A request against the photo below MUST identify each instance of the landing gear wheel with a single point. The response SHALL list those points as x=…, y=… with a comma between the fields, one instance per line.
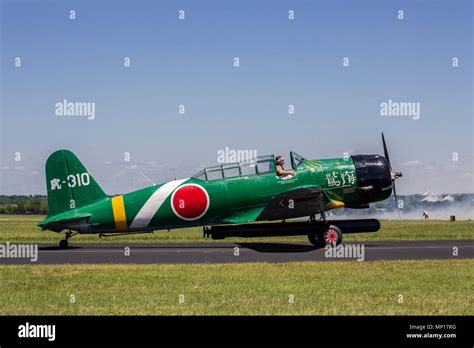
x=332, y=235
x=63, y=244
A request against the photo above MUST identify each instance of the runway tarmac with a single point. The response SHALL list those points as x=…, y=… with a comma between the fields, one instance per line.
x=175, y=253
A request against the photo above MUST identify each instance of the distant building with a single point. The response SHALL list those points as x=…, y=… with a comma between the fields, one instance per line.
x=448, y=198
x=431, y=197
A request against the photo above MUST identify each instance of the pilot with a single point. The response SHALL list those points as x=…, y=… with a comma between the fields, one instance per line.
x=280, y=161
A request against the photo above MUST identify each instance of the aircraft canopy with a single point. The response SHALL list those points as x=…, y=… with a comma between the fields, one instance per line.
x=260, y=165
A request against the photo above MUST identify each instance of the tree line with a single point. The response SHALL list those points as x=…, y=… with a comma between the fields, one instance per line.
x=33, y=204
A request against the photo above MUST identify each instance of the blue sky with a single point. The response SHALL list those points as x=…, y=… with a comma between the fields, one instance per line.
x=190, y=62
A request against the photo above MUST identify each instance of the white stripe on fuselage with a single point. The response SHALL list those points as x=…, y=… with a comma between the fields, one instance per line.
x=154, y=203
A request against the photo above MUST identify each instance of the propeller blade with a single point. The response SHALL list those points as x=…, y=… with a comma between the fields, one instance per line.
x=394, y=175
x=385, y=152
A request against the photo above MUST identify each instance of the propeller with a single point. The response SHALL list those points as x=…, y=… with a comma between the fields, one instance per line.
x=395, y=175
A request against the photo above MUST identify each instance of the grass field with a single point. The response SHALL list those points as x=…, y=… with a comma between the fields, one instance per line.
x=23, y=229
x=428, y=288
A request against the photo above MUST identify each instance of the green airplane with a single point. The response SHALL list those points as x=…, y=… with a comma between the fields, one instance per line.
x=227, y=200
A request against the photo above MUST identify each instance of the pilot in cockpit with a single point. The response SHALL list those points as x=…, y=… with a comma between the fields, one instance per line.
x=280, y=170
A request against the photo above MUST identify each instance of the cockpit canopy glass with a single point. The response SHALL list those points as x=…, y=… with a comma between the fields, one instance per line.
x=261, y=165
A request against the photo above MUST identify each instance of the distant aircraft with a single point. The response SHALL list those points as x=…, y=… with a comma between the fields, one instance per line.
x=224, y=199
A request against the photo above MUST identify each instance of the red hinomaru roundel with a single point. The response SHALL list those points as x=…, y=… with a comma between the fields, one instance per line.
x=190, y=202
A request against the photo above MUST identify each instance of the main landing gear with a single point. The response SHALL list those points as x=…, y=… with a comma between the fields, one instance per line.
x=64, y=244
x=330, y=235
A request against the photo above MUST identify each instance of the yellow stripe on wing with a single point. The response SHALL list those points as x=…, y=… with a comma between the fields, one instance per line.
x=119, y=213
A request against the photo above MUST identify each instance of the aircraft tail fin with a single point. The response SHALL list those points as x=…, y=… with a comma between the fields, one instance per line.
x=69, y=184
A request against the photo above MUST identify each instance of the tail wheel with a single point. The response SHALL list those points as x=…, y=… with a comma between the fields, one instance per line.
x=332, y=235
x=64, y=244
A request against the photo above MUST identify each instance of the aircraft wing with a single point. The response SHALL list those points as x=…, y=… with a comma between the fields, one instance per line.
x=303, y=201
x=243, y=215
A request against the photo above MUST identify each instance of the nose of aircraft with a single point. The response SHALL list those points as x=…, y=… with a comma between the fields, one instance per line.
x=374, y=177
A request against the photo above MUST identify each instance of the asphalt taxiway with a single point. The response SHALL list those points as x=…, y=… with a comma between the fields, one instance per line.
x=218, y=252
